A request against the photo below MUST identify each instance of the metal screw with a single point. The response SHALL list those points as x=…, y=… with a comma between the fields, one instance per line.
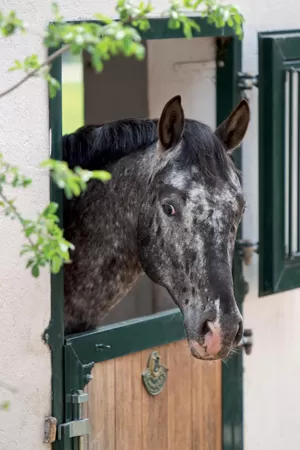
x=100, y=347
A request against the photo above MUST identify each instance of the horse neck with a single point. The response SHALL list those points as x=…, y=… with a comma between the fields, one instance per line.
x=102, y=224
x=120, y=202
x=129, y=185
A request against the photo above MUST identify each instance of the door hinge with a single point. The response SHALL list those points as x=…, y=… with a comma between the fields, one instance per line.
x=246, y=82
x=79, y=426
x=50, y=427
x=76, y=428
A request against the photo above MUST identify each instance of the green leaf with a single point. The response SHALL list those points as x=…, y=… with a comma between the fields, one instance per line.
x=29, y=231
x=50, y=209
x=35, y=271
x=68, y=192
x=30, y=262
x=56, y=264
x=53, y=85
x=17, y=65
x=187, y=30
x=75, y=188
x=55, y=11
x=96, y=62
x=173, y=24
x=102, y=18
x=101, y=175
x=32, y=62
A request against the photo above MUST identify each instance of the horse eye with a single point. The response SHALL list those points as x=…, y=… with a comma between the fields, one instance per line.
x=232, y=229
x=169, y=209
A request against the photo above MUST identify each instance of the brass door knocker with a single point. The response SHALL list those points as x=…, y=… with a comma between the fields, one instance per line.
x=155, y=376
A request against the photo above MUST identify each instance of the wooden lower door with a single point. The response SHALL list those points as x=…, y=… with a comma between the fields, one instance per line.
x=186, y=415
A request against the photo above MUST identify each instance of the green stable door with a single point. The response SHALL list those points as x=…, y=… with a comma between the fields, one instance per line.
x=104, y=381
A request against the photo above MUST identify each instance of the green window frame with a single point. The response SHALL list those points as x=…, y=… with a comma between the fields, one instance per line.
x=279, y=265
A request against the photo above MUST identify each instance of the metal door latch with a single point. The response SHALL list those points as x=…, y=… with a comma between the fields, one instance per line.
x=247, y=341
x=246, y=249
x=79, y=426
x=246, y=82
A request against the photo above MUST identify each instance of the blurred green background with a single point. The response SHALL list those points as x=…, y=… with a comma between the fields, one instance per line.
x=72, y=93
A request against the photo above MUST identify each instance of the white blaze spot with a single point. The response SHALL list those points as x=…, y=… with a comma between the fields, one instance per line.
x=218, y=316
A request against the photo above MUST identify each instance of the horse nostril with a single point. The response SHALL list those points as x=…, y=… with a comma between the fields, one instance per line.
x=204, y=328
x=239, y=333
x=206, y=323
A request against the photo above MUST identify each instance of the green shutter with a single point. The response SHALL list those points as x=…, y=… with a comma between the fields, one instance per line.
x=279, y=162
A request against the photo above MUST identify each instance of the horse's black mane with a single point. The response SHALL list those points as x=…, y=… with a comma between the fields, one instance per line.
x=94, y=147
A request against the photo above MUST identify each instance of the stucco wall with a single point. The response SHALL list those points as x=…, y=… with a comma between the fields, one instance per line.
x=24, y=302
x=272, y=372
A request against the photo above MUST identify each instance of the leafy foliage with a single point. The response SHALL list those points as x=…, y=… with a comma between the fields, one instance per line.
x=73, y=181
x=45, y=244
x=10, y=23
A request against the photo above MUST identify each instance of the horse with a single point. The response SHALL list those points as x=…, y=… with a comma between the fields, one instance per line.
x=171, y=210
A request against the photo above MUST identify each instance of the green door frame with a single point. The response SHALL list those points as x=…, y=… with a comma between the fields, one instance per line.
x=81, y=351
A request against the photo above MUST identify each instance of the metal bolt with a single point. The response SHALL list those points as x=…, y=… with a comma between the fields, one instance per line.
x=100, y=347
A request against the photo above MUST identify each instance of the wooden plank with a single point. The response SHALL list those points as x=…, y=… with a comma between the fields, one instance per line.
x=198, y=435
x=211, y=406
x=185, y=415
x=218, y=405
x=101, y=407
x=179, y=397
x=128, y=391
x=155, y=409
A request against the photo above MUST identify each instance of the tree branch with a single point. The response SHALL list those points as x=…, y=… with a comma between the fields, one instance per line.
x=17, y=215
x=47, y=61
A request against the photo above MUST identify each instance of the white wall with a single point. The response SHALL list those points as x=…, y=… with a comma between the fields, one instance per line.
x=272, y=372
x=185, y=67
x=24, y=302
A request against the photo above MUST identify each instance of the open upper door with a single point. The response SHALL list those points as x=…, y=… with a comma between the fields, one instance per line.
x=279, y=161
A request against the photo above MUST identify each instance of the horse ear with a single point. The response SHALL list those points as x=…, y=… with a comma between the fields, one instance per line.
x=171, y=123
x=232, y=131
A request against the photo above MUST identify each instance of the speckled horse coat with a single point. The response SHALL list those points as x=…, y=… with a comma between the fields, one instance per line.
x=171, y=210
